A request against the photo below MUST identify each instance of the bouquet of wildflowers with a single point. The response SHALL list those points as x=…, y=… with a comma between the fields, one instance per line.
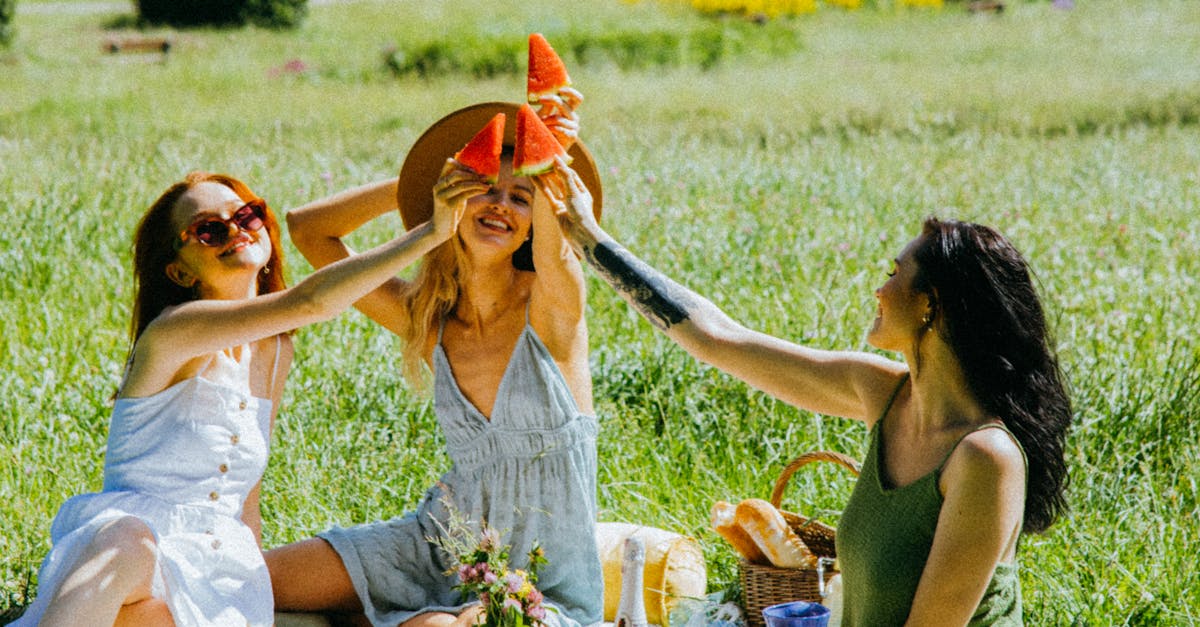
x=509, y=596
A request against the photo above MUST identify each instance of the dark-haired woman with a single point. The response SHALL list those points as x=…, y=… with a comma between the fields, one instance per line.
x=966, y=434
x=173, y=537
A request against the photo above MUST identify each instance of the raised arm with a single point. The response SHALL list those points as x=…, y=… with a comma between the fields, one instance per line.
x=558, y=296
x=850, y=384
x=208, y=325
x=318, y=228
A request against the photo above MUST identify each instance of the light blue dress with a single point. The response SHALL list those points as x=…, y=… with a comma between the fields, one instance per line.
x=183, y=461
x=530, y=472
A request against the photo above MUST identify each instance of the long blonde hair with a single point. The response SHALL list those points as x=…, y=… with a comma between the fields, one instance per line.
x=430, y=296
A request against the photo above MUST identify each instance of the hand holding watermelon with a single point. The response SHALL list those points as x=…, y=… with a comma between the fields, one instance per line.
x=557, y=112
x=457, y=184
x=549, y=87
x=568, y=195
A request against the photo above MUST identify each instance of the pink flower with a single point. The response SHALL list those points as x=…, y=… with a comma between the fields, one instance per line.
x=535, y=598
x=490, y=578
x=512, y=604
x=537, y=612
x=490, y=540
x=514, y=581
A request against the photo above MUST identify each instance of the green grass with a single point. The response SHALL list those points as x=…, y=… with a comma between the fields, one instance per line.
x=777, y=183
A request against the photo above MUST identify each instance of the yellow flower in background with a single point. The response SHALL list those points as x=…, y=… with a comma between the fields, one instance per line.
x=770, y=8
x=778, y=8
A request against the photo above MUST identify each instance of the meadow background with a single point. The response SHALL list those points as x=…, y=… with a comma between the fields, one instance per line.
x=773, y=167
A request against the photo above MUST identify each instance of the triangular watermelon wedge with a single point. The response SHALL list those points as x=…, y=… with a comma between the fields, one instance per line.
x=482, y=153
x=536, y=146
x=547, y=74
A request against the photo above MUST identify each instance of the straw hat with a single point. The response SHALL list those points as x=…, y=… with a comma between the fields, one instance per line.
x=423, y=165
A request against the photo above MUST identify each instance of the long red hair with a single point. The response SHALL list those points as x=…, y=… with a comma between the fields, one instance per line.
x=154, y=249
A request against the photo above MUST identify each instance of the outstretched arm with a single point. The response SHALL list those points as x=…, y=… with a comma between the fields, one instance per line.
x=850, y=384
x=318, y=228
x=208, y=325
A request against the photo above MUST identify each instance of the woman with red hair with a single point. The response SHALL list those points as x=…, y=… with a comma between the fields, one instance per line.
x=174, y=535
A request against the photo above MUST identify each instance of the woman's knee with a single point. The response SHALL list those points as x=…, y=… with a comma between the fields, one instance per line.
x=127, y=546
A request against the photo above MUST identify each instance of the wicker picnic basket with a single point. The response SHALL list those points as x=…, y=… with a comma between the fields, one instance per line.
x=764, y=586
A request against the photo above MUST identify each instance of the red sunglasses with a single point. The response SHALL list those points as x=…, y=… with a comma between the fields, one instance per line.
x=212, y=231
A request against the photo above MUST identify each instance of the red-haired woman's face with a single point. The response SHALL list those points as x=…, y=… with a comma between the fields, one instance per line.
x=235, y=255
x=902, y=310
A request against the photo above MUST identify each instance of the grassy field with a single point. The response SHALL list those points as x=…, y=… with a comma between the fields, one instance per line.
x=777, y=182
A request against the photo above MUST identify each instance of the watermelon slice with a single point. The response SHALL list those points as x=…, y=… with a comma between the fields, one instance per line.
x=482, y=153
x=547, y=74
x=536, y=146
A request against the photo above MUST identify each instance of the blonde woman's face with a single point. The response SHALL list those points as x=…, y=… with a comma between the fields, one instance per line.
x=501, y=217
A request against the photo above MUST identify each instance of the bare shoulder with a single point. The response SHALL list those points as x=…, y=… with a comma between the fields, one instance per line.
x=987, y=455
x=882, y=384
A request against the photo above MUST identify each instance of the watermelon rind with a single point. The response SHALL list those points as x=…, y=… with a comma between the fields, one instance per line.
x=534, y=169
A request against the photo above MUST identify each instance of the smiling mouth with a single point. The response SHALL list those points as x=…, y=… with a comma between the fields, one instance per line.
x=236, y=246
x=496, y=224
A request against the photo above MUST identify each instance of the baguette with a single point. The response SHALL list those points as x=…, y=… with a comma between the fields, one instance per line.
x=723, y=523
x=766, y=526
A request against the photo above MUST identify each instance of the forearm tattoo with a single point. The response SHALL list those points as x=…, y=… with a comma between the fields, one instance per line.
x=662, y=301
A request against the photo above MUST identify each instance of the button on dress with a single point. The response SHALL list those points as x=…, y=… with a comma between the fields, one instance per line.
x=183, y=461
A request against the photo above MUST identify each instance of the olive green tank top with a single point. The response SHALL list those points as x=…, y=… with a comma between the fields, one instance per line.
x=883, y=541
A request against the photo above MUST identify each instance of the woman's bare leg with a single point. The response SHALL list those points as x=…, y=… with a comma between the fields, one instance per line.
x=147, y=612
x=308, y=576
x=468, y=617
x=431, y=619
x=115, y=570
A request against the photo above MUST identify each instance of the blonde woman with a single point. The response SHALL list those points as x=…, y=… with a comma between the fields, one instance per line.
x=497, y=315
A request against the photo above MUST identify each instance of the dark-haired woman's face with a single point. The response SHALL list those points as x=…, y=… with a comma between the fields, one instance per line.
x=236, y=254
x=901, y=309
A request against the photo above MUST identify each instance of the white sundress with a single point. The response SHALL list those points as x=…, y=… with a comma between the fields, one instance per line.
x=183, y=461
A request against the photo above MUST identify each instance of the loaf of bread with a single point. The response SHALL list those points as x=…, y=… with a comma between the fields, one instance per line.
x=766, y=526
x=724, y=524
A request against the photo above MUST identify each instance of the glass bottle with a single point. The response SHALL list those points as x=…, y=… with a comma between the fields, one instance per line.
x=631, y=611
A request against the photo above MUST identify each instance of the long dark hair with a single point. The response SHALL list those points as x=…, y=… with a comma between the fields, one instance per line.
x=154, y=249
x=992, y=319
